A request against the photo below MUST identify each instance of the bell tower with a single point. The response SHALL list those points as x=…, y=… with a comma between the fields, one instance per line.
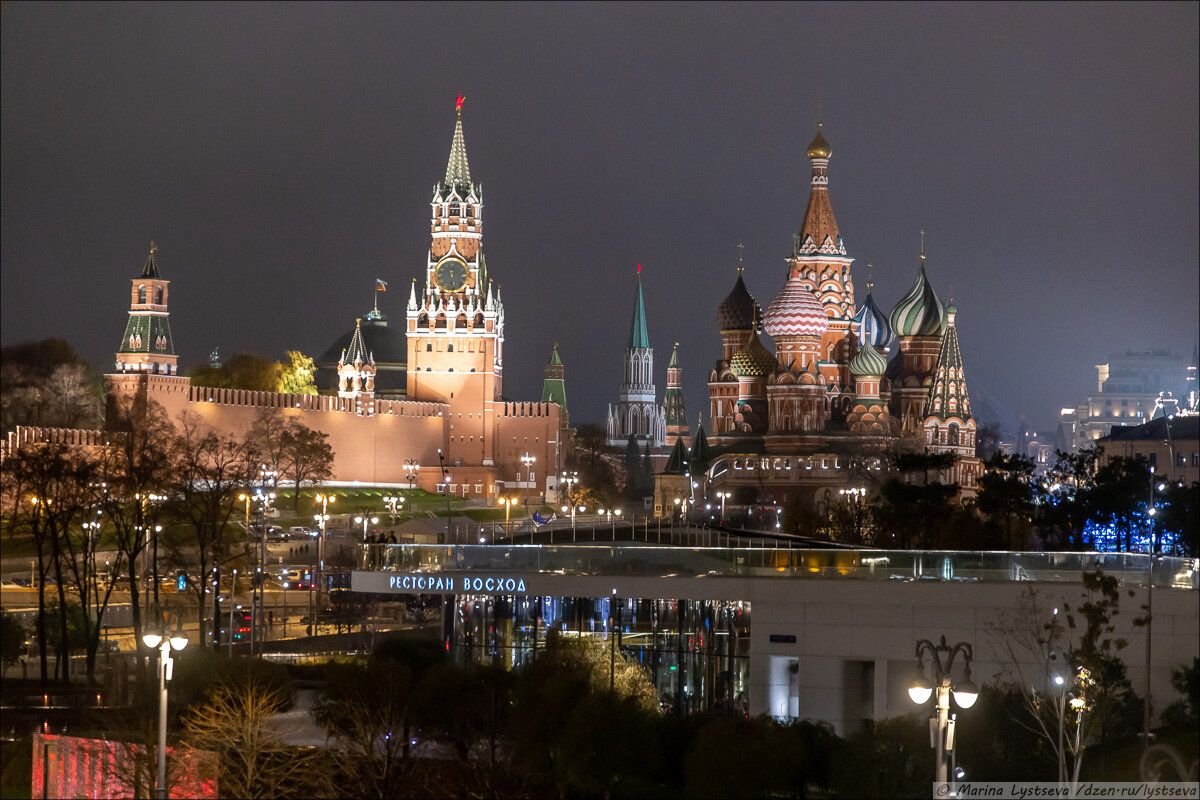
x=455, y=324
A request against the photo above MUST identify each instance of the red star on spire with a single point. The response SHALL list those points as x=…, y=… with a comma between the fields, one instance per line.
x=458, y=103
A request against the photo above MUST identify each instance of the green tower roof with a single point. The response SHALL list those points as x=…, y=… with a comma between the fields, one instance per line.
x=639, y=335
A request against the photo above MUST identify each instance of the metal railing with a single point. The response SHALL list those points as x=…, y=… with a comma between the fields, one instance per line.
x=645, y=560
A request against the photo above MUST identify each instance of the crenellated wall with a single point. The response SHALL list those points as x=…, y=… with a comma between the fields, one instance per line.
x=369, y=449
x=77, y=437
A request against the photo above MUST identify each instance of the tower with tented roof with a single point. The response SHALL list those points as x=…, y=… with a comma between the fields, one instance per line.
x=636, y=412
x=147, y=345
x=455, y=322
x=674, y=409
x=821, y=263
x=949, y=426
x=356, y=373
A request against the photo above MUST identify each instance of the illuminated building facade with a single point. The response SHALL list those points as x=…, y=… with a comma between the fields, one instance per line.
x=843, y=385
x=450, y=414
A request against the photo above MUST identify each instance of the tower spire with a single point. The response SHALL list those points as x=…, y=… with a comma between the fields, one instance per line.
x=150, y=270
x=639, y=335
x=458, y=171
x=741, y=252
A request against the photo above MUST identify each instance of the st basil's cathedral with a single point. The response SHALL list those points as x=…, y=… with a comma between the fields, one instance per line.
x=844, y=386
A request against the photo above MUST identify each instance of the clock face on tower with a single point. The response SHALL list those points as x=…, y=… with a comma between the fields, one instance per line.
x=451, y=275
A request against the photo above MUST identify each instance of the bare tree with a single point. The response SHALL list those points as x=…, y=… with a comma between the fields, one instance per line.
x=235, y=722
x=209, y=469
x=1066, y=665
x=134, y=468
x=52, y=491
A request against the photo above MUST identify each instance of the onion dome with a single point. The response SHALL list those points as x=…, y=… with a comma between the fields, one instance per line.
x=796, y=311
x=920, y=312
x=753, y=360
x=738, y=310
x=869, y=363
x=819, y=148
x=873, y=327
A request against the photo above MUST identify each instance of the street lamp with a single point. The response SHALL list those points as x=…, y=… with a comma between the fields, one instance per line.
x=363, y=520
x=411, y=467
x=570, y=480
x=508, y=503
x=322, y=520
x=393, y=503
x=157, y=639
x=527, y=461
x=724, y=496
x=941, y=658
x=446, y=491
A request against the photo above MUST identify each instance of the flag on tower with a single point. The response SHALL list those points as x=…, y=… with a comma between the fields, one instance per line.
x=380, y=285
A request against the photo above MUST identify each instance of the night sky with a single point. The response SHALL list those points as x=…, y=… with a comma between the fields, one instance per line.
x=283, y=157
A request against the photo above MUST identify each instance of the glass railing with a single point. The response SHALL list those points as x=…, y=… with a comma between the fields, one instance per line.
x=666, y=562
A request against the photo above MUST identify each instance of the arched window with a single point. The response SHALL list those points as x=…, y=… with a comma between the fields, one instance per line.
x=158, y=295
x=450, y=347
x=952, y=434
x=429, y=347
x=141, y=294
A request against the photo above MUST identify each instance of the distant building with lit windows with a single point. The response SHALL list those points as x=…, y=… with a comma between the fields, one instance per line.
x=1131, y=389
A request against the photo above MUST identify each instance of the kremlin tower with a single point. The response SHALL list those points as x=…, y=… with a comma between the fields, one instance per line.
x=147, y=345
x=674, y=410
x=636, y=413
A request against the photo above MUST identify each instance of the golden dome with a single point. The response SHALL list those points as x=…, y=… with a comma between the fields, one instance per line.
x=819, y=148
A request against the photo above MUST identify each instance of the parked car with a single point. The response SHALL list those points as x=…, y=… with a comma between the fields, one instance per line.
x=301, y=532
x=277, y=534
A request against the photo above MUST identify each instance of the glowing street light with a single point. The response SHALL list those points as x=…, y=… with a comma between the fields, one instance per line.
x=158, y=639
x=965, y=693
x=363, y=520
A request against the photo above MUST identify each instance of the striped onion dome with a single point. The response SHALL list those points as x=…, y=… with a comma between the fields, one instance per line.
x=873, y=327
x=753, y=360
x=796, y=311
x=738, y=310
x=920, y=312
x=869, y=363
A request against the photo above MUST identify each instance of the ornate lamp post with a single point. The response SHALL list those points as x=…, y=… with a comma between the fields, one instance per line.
x=322, y=521
x=364, y=520
x=941, y=659
x=157, y=639
x=527, y=461
x=393, y=503
x=570, y=480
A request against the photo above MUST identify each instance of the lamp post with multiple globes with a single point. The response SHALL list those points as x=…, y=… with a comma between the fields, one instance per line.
x=395, y=504
x=322, y=521
x=364, y=520
x=527, y=461
x=156, y=638
x=942, y=688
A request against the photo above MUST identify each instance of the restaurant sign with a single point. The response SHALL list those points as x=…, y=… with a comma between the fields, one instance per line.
x=437, y=582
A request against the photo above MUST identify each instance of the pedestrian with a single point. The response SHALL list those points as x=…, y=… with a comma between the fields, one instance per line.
x=392, y=538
